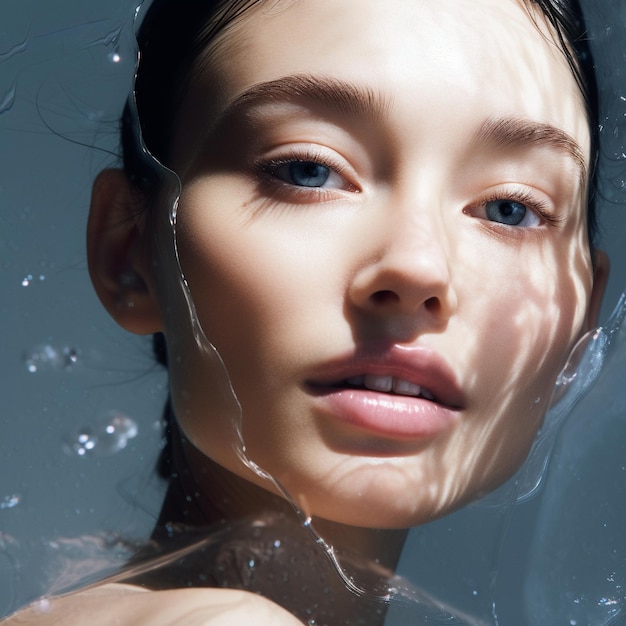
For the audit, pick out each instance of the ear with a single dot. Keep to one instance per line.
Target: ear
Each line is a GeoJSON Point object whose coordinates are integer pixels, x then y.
{"type": "Point", "coordinates": [600, 278]}
{"type": "Point", "coordinates": [118, 254]}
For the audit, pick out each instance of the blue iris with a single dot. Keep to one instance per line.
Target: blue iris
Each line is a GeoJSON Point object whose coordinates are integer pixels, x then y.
{"type": "Point", "coordinates": [308, 173]}
{"type": "Point", "coordinates": [506, 212]}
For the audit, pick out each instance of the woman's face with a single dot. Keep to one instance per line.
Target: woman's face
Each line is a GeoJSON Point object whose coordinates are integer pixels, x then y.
{"type": "Point", "coordinates": [382, 226]}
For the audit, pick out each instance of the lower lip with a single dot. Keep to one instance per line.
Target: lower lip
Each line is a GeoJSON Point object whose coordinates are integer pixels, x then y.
{"type": "Point", "coordinates": [386, 414]}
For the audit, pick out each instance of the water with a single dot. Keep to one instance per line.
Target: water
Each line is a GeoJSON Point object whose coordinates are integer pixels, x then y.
{"type": "Point", "coordinates": [29, 280]}
{"type": "Point", "coordinates": [107, 436]}
{"type": "Point", "coordinates": [104, 437]}
{"type": "Point", "coordinates": [10, 502]}
{"type": "Point", "coordinates": [48, 357]}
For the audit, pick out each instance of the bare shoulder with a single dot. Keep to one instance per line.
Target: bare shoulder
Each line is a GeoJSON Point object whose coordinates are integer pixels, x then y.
{"type": "Point", "coordinates": [127, 604]}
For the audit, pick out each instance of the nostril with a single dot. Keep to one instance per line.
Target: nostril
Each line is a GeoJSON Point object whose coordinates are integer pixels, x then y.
{"type": "Point", "coordinates": [433, 305]}
{"type": "Point", "coordinates": [385, 296]}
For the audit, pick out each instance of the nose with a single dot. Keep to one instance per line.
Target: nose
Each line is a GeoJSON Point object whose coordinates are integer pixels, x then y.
{"type": "Point", "coordinates": [406, 274]}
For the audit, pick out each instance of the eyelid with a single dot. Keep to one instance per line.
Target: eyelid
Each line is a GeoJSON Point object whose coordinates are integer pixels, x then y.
{"type": "Point", "coordinates": [312, 153]}
{"type": "Point", "coordinates": [532, 200]}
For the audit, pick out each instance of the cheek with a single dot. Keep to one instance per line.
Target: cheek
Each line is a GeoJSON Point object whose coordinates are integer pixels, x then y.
{"type": "Point", "coordinates": [522, 339]}
{"type": "Point", "coordinates": [254, 290]}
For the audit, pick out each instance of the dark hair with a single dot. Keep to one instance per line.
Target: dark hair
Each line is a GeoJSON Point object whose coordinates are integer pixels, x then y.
{"type": "Point", "coordinates": [173, 35]}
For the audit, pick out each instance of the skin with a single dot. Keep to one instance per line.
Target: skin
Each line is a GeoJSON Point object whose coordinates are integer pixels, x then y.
{"type": "Point", "coordinates": [109, 604]}
{"type": "Point", "coordinates": [396, 253]}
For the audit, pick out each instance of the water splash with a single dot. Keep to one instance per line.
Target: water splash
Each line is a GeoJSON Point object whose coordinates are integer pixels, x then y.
{"type": "Point", "coordinates": [10, 502]}
{"type": "Point", "coordinates": [47, 357]}
{"type": "Point", "coordinates": [111, 38]}
{"type": "Point", "coordinates": [105, 437]}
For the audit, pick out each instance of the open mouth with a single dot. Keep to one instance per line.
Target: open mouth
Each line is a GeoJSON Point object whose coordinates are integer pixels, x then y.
{"type": "Point", "coordinates": [387, 384]}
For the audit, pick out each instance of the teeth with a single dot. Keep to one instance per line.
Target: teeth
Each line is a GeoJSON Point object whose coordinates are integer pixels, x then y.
{"type": "Point", "coordinates": [406, 388]}
{"type": "Point", "coordinates": [378, 383]}
{"type": "Point", "coordinates": [389, 383]}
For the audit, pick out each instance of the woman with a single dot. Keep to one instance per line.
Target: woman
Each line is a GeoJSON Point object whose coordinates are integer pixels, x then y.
{"type": "Point", "coordinates": [377, 265]}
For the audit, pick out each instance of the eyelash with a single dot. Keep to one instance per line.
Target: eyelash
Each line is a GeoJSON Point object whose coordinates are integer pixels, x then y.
{"type": "Point", "coordinates": [268, 168]}
{"type": "Point", "coordinates": [526, 198]}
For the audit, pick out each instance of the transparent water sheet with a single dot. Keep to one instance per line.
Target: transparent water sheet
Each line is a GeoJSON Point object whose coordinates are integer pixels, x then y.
{"type": "Point", "coordinates": [9, 106]}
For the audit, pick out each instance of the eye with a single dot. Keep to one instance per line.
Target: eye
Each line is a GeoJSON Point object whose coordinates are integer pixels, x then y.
{"type": "Point", "coordinates": [515, 206]}
{"type": "Point", "coordinates": [308, 169]}
{"type": "Point", "coordinates": [306, 173]}
{"type": "Point", "coordinates": [511, 213]}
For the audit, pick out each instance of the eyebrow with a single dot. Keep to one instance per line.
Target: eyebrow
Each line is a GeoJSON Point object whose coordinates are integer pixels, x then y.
{"type": "Point", "coordinates": [342, 96]}
{"type": "Point", "coordinates": [513, 132]}
{"type": "Point", "coordinates": [357, 100]}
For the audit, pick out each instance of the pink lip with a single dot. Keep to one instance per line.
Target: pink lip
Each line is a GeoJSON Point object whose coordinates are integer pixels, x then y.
{"type": "Point", "coordinates": [387, 414]}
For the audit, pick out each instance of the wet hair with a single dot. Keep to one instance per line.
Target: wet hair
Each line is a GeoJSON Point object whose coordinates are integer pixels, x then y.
{"type": "Point", "coordinates": [173, 35]}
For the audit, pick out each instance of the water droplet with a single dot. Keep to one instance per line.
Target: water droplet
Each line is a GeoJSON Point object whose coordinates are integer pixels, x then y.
{"type": "Point", "coordinates": [104, 438]}
{"type": "Point", "coordinates": [474, 593]}
{"type": "Point", "coordinates": [114, 56]}
{"type": "Point", "coordinates": [277, 543]}
{"type": "Point", "coordinates": [312, 622]}
{"type": "Point", "coordinates": [10, 502]}
{"type": "Point", "coordinates": [49, 357]}
{"type": "Point", "coordinates": [29, 279]}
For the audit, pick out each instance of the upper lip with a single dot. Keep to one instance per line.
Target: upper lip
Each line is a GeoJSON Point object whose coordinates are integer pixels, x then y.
{"type": "Point", "coordinates": [416, 364]}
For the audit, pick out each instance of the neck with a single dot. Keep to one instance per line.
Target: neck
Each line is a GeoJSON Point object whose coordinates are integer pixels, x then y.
{"type": "Point", "coordinates": [202, 494]}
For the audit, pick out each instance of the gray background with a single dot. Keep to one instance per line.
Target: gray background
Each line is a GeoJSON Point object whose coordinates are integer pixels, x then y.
{"type": "Point", "coordinates": [65, 68]}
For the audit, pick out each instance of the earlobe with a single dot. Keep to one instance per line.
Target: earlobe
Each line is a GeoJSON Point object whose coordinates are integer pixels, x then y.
{"type": "Point", "coordinates": [600, 279]}
{"type": "Point", "coordinates": [118, 257]}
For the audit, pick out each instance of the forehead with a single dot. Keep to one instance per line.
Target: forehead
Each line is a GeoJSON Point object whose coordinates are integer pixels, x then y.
{"type": "Point", "coordinates": [485, 57]}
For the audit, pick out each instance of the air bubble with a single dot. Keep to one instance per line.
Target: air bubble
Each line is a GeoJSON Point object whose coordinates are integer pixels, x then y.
{"type": "Point", "coordinates": [28, 280]}
{"type": "Point", "coordinates": [104, 438]}
{"type": "Point", "coordinates": [50, 358]}
{"type": "Point", "coordinates": [10, 502]}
